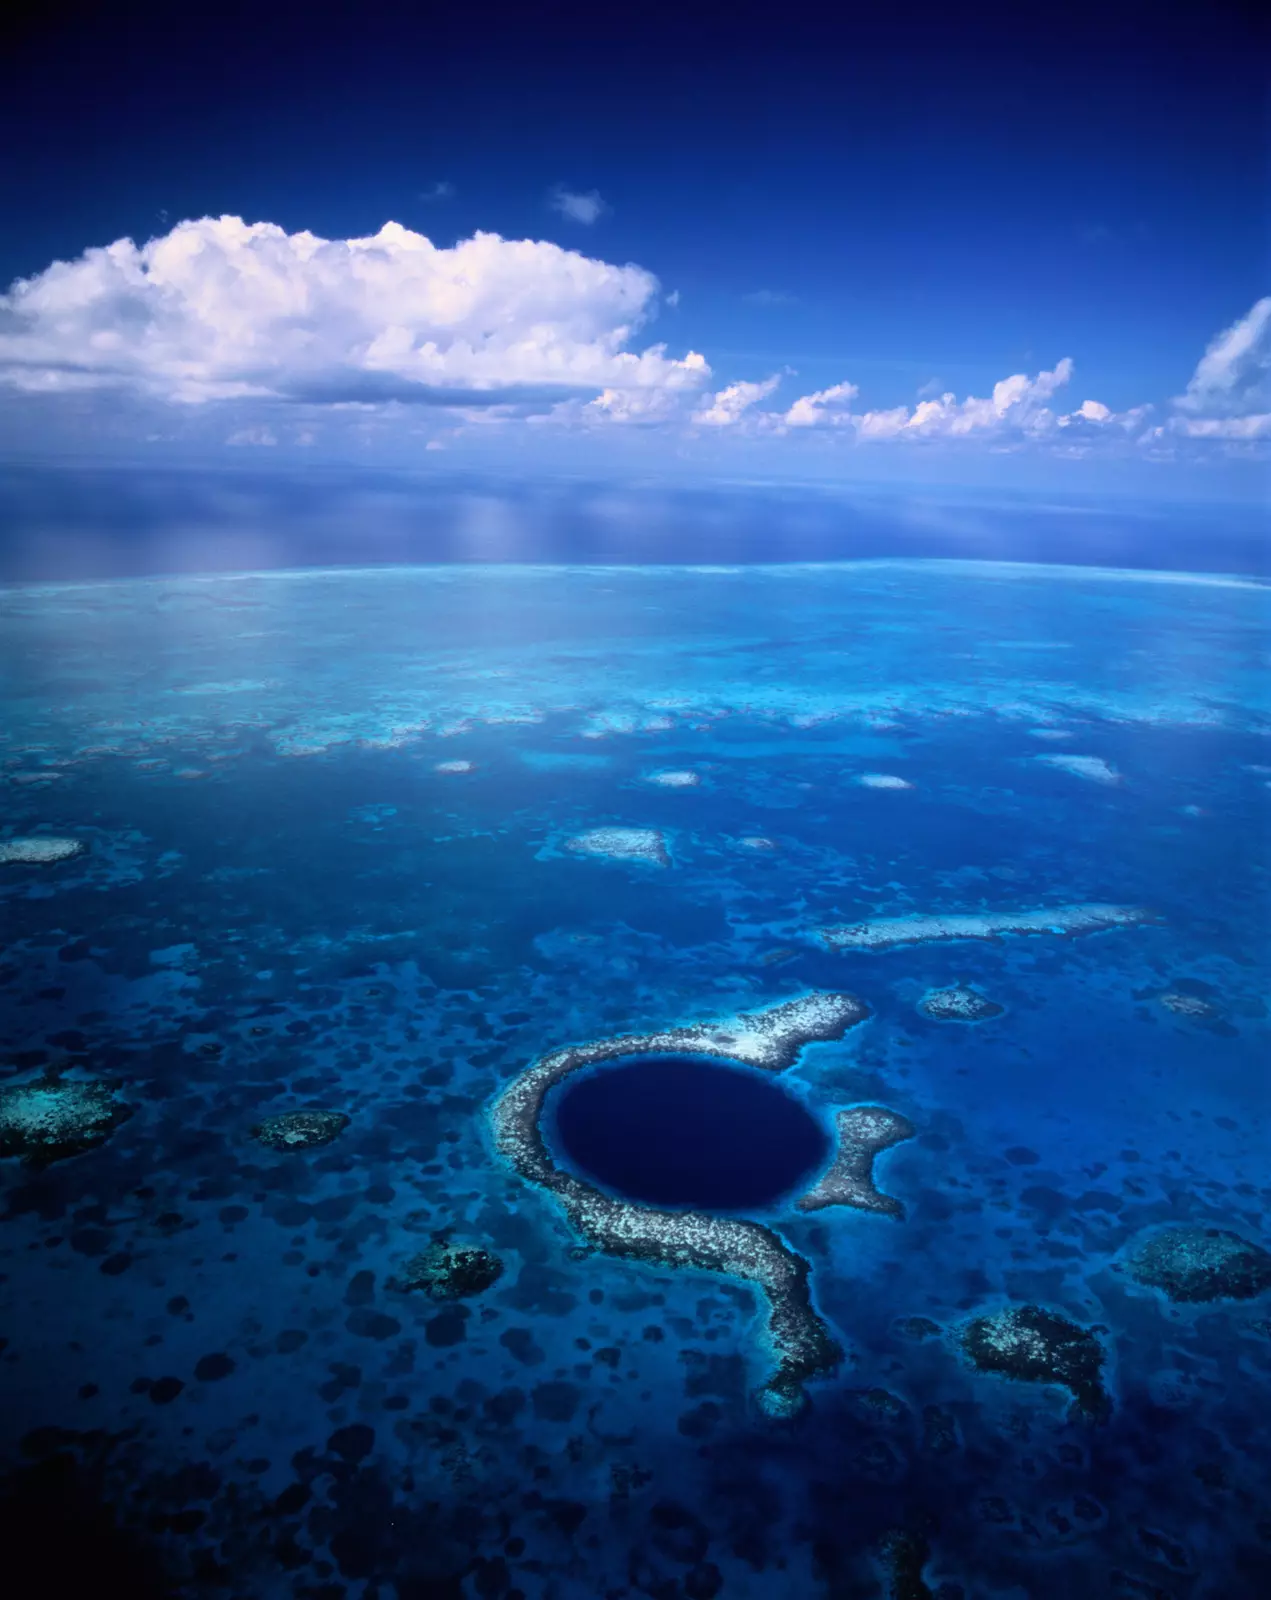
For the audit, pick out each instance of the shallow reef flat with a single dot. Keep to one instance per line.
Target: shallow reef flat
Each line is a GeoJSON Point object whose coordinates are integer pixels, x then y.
{"type": "Point", "coordinates": [888, 933]}
{"type": "Point", "coordinates": [770, 1039]}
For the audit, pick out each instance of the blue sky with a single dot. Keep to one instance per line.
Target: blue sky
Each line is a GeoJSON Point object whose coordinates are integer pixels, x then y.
{"type": "Point", "coordinates": [843, 217]}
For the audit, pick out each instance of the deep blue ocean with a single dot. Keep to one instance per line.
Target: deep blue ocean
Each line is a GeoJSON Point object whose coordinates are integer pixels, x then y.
{"type": "Point", "coordinates": [374, 840]}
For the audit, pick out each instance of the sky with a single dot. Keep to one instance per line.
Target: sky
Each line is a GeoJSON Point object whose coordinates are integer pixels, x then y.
{"type": "Point", "coordinates": [1011, 246]}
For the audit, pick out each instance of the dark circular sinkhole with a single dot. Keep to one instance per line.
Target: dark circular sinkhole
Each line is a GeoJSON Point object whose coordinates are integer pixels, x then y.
{"type": "Point", "coordinates": [686, 1130]}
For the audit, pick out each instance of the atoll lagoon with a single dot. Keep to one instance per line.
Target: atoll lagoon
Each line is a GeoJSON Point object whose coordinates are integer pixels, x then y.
{"type": "Point", "coordinates": [308, 1284]}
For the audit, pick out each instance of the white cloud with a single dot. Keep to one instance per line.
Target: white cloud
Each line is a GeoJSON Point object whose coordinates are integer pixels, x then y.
{"type": "Point", "coordinates": [1233, 377]}
{"type": "Point", "coordinates": [585, 208]}
{"type": "Point", "coordinates": [673, 299]}
{"type": "Point", "coordinates": [1017, 405]}
{"type": "Point", "coordinates": [1257, 425]}
{"type": "Point", "coordinates": [826, 405]}
{"type": "Point", "coordinates": [217, 309]}
{"type": "Point", "coordinates": [441, 190]}
{"type": "Point", "coordinates": [1015, 412]}
{"type": "Point", "coordinates": [727, 407]}
{"type": "Point", "coordinates": [257, 436]}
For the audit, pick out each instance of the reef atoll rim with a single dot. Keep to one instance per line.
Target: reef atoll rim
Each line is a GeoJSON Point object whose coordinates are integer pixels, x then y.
{"type": "Point", "coordinates": [300, 1130]}
{"type": "Point", "coordinates": [39, 850]}
{"type": "Point", "coordinates": [959, 1004]}
{"type": "Point", "coordinates": [863, 1132]}
{"type": "Point", "coordinates": [769, 1039]}
{"type": "Point", "coordinates": [1034, 1345]}
{"type": "Point", "coordinates": [887, 933]}
{"type": "Point", "coordinates": [446, 1271]}
{"type": "Point", "coordinates": [1195, 1265]}
{"type": "Point", "coordinates": [52, 1118]}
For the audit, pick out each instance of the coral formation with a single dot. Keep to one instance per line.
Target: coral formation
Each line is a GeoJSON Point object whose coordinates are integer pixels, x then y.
{"type": "Point", "coordinates": [1034, 1345]}
{"type": "Point", "coordinates": [959, 1004]}
{"type": "Point", "coordinates": [300, 1130]}
{"type": "Point", "coordinates": [771, 1040]}
{"type": "Point", "coordinates": [863, 1133]}
{"type": "Point", "coordinates": [622, 844]}
{"type": "Point", "coordinates": [1093, 768]}
{"type": "Point", "coordinates": [1188, 1005]}
{"type": "Point", "coordinates": [917, 1328]}
{"type": "Point", "coordinates": [448, 1271]}
{"type": "Point", "coordinates": [39, 850]}
{"type": "Point", "coordinates": [53, 1117]}
{"type": "Point", "coordinates": [905, 1553]}
{"type": "Point", "coordinates": [675, 780]}
{"type": "Point", "coordinates": [886, 933]}
{"type": "Point", "coordinates": [1200, 1264]}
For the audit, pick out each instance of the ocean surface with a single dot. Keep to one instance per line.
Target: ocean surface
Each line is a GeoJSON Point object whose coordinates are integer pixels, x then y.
{"type": "Point", "coordinates": [375, 841]}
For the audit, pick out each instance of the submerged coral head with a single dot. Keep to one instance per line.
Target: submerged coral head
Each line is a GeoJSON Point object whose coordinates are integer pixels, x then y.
{"type": "Point", "coordinates": [682, 1130]}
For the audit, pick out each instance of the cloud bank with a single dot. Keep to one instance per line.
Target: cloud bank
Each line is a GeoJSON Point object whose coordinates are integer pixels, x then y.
{"type": "Point", "coordinates": [219, 309]}
{"type": "Point", "coordinates": [492, 333]}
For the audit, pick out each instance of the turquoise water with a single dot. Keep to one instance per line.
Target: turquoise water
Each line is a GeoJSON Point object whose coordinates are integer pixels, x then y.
{"type": "Point", "coordinates": [331, 826]}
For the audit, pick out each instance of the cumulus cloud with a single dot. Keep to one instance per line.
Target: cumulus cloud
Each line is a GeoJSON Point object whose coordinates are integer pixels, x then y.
{"type": "Point", "coordinates": [730, 404]}
{"type": "Point", "coordinates": [826, 405]}
{"type": "Point", "coordinates": [1257, 425]}
{"type": "Point", "coordinates": [1229, 395]}
{"type": "Point", "coordinates": [1017, 410]}
{"type": "Point", "coordinates": [220, 309]}
{"type": "Point", "coordinates": [1231, 377]}
{"type": "Point", "coordinates": [1017, 405]}
{"type": "Point", "coordinates": [585, 208]}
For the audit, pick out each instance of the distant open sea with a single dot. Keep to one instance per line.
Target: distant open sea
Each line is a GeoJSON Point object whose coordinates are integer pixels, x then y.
{"type": "Point", "coordinates": [342, 833]}
{"type": "Point", "coordinates": [102, 522]}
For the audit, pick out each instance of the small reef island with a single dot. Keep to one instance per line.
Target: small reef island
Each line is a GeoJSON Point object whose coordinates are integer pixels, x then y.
{"type": "Point", "coordinates": [53, 1117]}
{"type": "Point", "coordinates": [300, 1130]}
{"type": "Point", "coordinates": [39, 850]}
{"type": "Point", "coordinates": [1191, 1265]}
{"type": "Point", "coordinates": [1033, 1345]}
{"type": "Point", "coordinates": [622, 844]}
{"type": "Point", "coordinates": [959, 1004]}
{"type": "Point", "coordinates": [769, 1040]}
{"type": "Point", "coordinates": [863, 1133]}
{"type": "Point", "coordinates": [889, 933]}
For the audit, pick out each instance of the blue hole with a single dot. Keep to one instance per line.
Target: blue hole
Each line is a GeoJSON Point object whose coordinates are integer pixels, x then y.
{"type": "Point", "coordinates": [682, 1130]}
